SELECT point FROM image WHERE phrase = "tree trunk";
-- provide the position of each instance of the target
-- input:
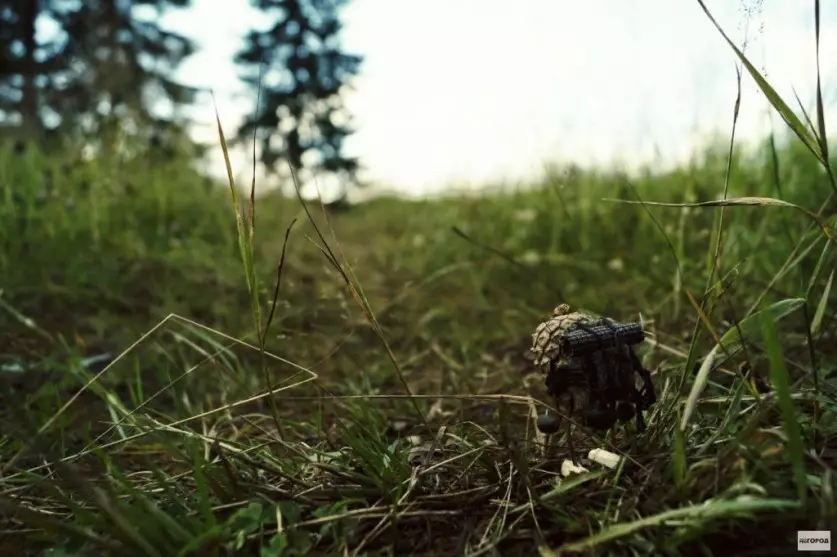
(29, 102)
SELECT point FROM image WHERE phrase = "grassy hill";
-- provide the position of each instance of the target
(396, 354)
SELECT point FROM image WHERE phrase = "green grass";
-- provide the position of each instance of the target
(288, 382)
(175, 449)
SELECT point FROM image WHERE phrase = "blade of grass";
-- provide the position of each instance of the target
(815, 370)
(719, 231)
(812, 281)
(729, 418)
(279, 270)
(729, 340)
(678, 458)
(566, 486)
(816, 322)
(714, 266)
(781, 384)
(820, 110)
(245, 241)
(804, 112)
(357, 294)
(775, 177)
(745, 201)
(711, 510)
(797, 254)
(253, 182)
(790, 118)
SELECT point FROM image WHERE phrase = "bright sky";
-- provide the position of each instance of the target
(469, 91)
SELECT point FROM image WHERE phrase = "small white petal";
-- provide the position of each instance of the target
(603, 457)
(569, 467)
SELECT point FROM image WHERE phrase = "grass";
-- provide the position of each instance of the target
(286, 382)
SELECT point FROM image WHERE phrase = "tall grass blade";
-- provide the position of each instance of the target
(729, 342)
(816, 322)
(749, 325)
(245, 240)
(678, 458)
(711, 510)
(804, 112)
(744, 201)
(279, 269)
(820, 110)
(790, 118)
(353, 286)
(781, 385)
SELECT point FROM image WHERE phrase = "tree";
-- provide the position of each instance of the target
(304, 72)
(100, 70)
(121, 69)
(29, 66)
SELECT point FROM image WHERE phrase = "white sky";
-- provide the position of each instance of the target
(469, 91)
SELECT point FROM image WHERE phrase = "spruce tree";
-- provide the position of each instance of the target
(122, 67)
(30, 67)
(303, 73)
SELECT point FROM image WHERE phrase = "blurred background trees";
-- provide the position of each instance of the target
(30, 68)
(303, 71)
(120, 82)
(102, 74)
